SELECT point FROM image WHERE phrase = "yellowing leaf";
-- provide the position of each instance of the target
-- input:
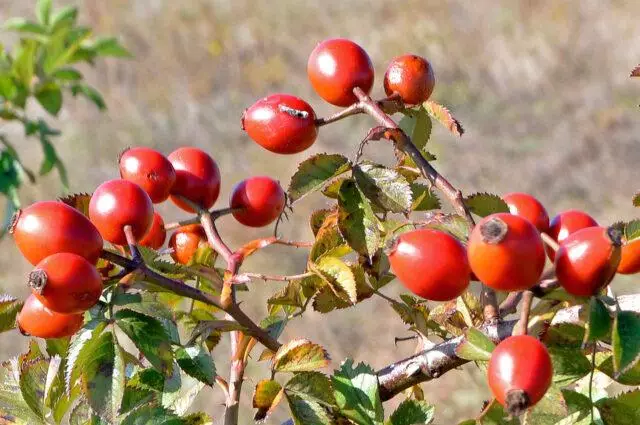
(266, 397)
(443, 115)
(300, 355)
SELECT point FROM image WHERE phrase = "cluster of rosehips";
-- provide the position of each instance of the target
(64, 245)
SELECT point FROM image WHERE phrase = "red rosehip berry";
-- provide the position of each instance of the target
(197, 178)
(260, 201)
(526, 206)
(37, 320)
(156, 235)
(336, 67)
(150, 170)
(281, 123)
(566, 223)
(185, 241)
(411, 77)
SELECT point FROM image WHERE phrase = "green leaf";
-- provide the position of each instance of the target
(385, 187)
(632, 230)
(24, 25)
(569, 364)
(9, 308)
(274, 325)
(314, 172)
(33, 375)
(300, 355)
(453, 224)
(605, 365)
(598, 324)
(266, 397)
(67, 74)
(339, 277)
(308, 412)
(636, 200)
(55, 395)
(475, 347)
(416, 124)
(550, 410)
(423, 198)
(11, 402)
(43, 11)
(83, 344)
(356, 392)
(149, 336)
(291, 295)
(103, 377)
(494, 414)
(197, 362)
(152, 415)
(412, 412)
(623, 409)
(24, 63)
(180, 391)
(626, 341)
(357, 222)
(90, 93)
(64, 16)
(107, 46)
(58, 346)
(50, 97)
(444, 117)
(313, 386)
(484, 204)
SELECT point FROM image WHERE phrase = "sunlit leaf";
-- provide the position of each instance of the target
(626, 341)
(314, 172)
(444, 116)
(356, 392)
(356, 220)
(476, 346)
(266, 397)
(300, 355)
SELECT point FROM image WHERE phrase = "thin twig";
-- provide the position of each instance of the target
(552, 243)
(245, 277)
(523, 324)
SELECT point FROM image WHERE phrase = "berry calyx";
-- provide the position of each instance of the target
(197, 178)
(49, 227)
(566, 223)
(526, 206)
(519, 373)
(506, 252)
(281, 123)
(431, 264)
(185, 241)
(34, 319)
(411, 77)
(630, 259)
(156, 235)
(66, 283)
(337, 66)
(259, 201)
(150, 170)
(118, 203)
(587, 260)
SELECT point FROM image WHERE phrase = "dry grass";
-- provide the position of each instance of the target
(541, 87)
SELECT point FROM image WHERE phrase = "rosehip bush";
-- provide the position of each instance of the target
(126, 331)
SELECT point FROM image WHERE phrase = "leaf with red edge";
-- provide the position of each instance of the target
(300, 355)
(266, 397)
(443, 115)
(636, 71)
(79, 201)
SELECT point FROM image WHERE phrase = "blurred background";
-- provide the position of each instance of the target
(541, 87)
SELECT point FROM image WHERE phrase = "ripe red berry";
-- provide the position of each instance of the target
(281, 123)
(587, 260)
(150, 170)
(630, 261)
(197, 178)
(66, 283)
(156, 235)
(261, 200)
(185, 242)
(411, 77)
(566, 223)
(519, 373)
(431, 264)
(37, 320)
(49, 227)
(506, 252)
(118, 203)
(526, 206)
(336, 67)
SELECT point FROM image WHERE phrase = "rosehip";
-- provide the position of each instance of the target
(411, 77)
(118, 203)
(197, 178)
(281, 123)
(506, 252)
(260, 199)
(587, 260)
(66, 283)
(519, 373)
(630, 261)
(526, 206)
(156, 235)
(49, 227)
(566, 223)
(185, 242)
(37, 320)
(336, 67)
(431, 264)
(150, 170)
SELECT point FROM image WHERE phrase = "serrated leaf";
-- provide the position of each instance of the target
(357, 223)
(291, 295)
(569, 364)
(197, 362)
(317, 219)
(179, 392)
(329, 241)
(632, 230)
(604, 363)
(152, 415)
(412, 412)
(82, 346)
(307, 412)
(300, 355)
(103, 377)
(636, 71)
(149, 336)
(356, 393)
(625, 339)
(266, 397)
(312, 386)
(50, 98)
(416, 124)
(79, 201)
(55, 395)
(598, 324)
(623, 409)
(33, 376)
(476, 346)
(339, 277)
(314, 172)
(151, 305)
(484, 204)
(454, 224)
(12, 405)
(424, 199)
(9, 308)
(325, 301)
(332, 190)
(385, 187)
(444, 117)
